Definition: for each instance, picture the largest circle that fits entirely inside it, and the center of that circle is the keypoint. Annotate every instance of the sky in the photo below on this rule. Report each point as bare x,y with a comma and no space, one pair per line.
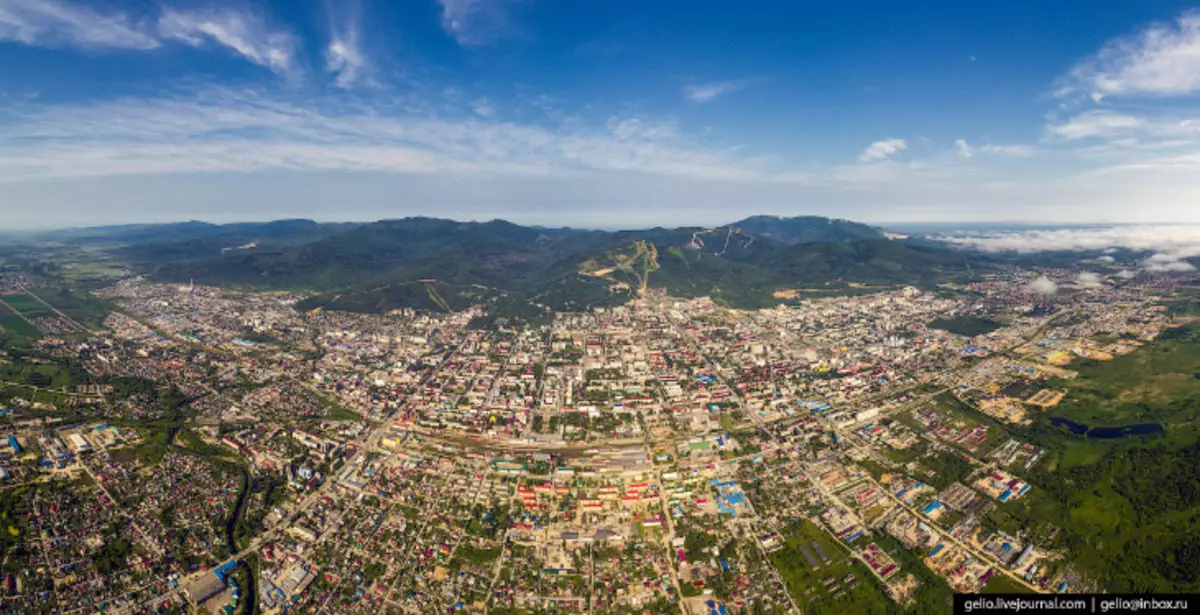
616,114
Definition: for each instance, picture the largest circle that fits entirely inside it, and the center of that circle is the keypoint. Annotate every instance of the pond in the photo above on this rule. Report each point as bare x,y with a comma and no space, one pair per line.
1106,433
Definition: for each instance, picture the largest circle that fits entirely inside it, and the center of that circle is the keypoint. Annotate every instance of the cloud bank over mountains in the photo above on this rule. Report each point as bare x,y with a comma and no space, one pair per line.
1171,245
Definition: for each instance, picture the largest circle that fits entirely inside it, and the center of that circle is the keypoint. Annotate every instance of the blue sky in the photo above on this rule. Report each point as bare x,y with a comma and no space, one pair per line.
608,114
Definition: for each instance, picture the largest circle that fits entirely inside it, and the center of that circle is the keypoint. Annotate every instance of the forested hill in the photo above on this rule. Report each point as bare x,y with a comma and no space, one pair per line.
806,229
383,265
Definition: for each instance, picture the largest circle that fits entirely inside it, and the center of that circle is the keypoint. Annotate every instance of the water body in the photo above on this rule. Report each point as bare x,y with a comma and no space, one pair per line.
1108,433
1076,428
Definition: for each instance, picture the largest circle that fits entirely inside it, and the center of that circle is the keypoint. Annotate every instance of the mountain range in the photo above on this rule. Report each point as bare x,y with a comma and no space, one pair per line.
437,264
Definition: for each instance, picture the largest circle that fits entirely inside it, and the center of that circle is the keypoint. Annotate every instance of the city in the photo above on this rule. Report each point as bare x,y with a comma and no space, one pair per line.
201,448
535,307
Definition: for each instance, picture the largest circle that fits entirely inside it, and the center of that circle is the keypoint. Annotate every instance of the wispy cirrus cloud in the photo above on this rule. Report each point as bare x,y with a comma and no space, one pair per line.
344,55
51,23
882,149
704,92
1153,140
245,33
1162,59
477,22
1096,123
1010,150
226,131
483,107
56,23
962,148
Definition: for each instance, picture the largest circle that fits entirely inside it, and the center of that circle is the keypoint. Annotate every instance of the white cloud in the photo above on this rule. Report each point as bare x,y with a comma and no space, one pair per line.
1088,279
483,107
1009,150
476,22
211,133
1168,266
1109,131
57,23
1106,259
1163,59
882,149
1127,274
51,23
963,149
345,61
1042,286
1182,241
344,57
246,34
1171,244
704,92
1097,123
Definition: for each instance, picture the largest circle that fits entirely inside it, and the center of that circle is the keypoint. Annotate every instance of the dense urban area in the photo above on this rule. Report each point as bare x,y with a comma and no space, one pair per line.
179,447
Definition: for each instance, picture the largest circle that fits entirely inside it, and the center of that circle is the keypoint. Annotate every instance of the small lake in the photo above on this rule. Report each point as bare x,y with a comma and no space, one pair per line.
1107,433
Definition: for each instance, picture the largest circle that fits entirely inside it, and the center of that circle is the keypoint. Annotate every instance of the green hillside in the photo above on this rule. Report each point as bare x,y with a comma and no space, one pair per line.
445,265
806,229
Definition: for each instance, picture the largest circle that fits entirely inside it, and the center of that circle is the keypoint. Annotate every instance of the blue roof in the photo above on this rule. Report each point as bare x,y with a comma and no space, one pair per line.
223,570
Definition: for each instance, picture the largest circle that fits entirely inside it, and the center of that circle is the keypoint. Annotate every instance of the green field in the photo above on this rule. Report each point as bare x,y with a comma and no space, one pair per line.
969,326
98,268
81,307
16,326
1129,508
1157,383
23,303
1125,512
805,585
42,376
1002,584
